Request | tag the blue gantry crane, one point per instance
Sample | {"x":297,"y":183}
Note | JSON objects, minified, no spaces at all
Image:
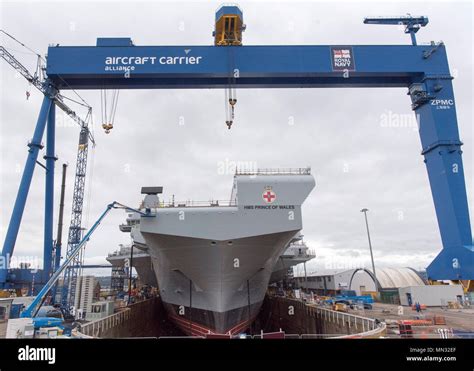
{"x":21,"y":277}
{"x":118,"y":63}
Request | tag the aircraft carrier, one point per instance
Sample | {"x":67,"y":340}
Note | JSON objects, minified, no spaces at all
{"x":213,"y":261}
{"x":297,"y":252}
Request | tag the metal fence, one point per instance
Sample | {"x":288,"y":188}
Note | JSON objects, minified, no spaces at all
{"x":358,"y":326}
{"x":192,"y":203}
{"x":285,"y":171}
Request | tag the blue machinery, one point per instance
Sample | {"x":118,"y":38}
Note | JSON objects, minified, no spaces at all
{"x":38,"y":301}
{"x":423,"y":69}
{"x":412,"y":24}
{"x":20,"y":277}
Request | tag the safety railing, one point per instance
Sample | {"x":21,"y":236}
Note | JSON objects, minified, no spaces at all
{"x":125,"y":252}
{"x":300,"y":250}
{"x":282,"y":171}
{"x":358,"y":326}
{"x":98,"y":327}
{"x":192,"y":203}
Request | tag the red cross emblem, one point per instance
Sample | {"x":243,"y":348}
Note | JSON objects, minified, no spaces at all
{"x":269,"y":196}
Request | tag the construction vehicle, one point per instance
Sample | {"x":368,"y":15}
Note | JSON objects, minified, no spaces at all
{"x":66,"y":323}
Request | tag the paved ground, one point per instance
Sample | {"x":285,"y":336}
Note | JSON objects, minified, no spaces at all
{"x":456,"y":319}
{"x":3,"y":329}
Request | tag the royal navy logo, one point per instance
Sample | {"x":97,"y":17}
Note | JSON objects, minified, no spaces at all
{"x":342,"y":58}
{"x":268,"y":195}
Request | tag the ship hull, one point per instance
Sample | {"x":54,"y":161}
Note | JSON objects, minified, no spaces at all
{"x":280,"y":270}
{"x":200,"y":322}
{"x":213,"y":286}
{"x":142,"y":264}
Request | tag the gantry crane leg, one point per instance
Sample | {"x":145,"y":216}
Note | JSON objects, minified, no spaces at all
{"x":34,"y":147}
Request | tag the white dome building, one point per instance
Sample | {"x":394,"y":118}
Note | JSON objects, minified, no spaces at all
{"x":363,"y":280}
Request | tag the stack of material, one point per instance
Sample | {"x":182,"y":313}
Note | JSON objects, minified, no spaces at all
{"x":454,"y":305}
{"x":416,"y":322}
{"x":439,"y":320}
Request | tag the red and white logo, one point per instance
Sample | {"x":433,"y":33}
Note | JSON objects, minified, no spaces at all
{"x":269,"y":196}
{"x":342,"y":53}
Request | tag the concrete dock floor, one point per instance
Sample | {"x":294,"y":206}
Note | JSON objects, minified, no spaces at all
{"x":456,"y":319}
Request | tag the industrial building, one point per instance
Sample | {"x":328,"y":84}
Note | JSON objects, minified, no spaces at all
{"x":362,"y":281}
{"x":403,"y":286}
{"x":431,"y":296}
{"x":388,"y":281}
{"x":87,"y":292}
{"x":328,"y":282}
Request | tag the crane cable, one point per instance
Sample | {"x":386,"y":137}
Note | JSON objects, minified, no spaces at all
{"x":38,"y":75}
{"x":228,"y":116}
{"x":115,"y":99}
{"x":40,"y":57}
{"x":39,"y":72}
{"x":230,"y":93}
{"x":108,"y":118}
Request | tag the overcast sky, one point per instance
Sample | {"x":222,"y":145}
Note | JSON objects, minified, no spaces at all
{"x":358,"y":161}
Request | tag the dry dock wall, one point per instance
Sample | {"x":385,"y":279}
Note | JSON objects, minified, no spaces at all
{"x":143,"y":319}
{"x":148,"y":319}
{"x":299,"y":318}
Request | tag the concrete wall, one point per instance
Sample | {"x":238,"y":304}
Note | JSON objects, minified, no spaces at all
{"x":143,"y":319}
{"x":298,"y":318}
{"x":148,"y":319}
{"x":430,"y":295}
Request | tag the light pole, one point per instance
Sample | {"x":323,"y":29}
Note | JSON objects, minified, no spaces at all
{"x":370,"y":247}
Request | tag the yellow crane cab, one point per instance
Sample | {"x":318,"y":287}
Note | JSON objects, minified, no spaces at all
{"x":229,"y":26}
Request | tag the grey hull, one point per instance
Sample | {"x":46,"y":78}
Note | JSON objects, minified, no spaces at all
{"x":206,"y":277}
{"x":141,"y":262}
{"x":214,"y":263}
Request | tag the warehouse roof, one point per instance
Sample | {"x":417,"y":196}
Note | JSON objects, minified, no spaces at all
{"x":394,"y":277}
{"x":398,"y":277}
